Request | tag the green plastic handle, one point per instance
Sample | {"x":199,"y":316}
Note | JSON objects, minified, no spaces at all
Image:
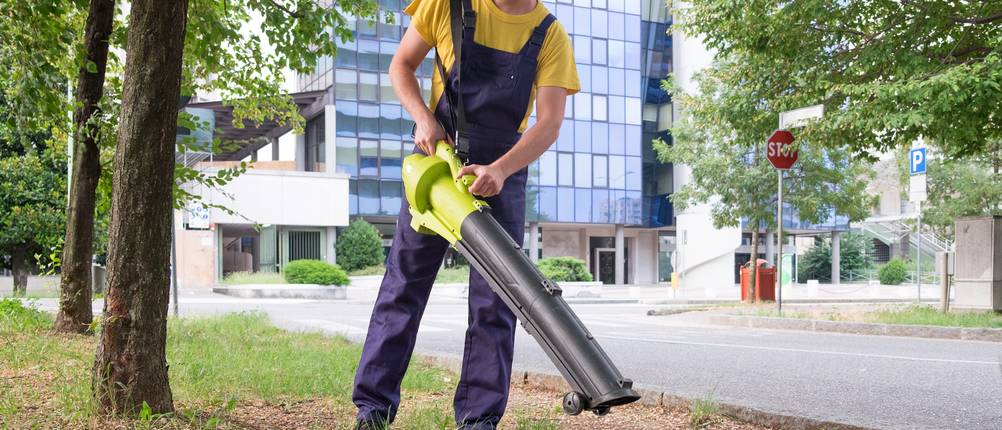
{"x":445,"y":151}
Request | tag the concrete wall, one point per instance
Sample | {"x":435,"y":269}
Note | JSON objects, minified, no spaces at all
{"x":196,"y":258}
{"x":564,"y":243}
{"x":574,"y":241}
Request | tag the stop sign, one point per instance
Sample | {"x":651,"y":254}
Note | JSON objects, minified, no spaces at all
{"x":780,"y":150}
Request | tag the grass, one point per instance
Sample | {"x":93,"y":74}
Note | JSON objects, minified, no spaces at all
{"x":245,"y":278}
{"x":453,"y":275}
{"x":928,"y":315}
{"x":216,"y":364}
{"x":704,"y":412}
{"x":376,"y":270}
{"x":911,"y":315}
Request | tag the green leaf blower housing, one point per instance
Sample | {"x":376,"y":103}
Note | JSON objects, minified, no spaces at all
{"x":443,"y":205}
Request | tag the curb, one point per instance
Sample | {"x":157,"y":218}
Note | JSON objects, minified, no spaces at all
{"x":655,"y":398}
{"x":282,"y":291}
{"x":832,"y":301}
{"x":875,"y":329}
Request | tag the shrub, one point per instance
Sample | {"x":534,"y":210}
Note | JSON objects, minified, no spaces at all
{"x":855,"y":252}
{"x":359,"y":246}
{"x":314,"y":272}
{"x":893,"y":273}
{"x":564,"y":269}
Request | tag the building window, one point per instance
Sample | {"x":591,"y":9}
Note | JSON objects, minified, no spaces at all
{"x":582,"y":136}
{"x":582,"y":170}
{"x":389,"y":159}
{"x":617,"y":138}
{"x":600,"y":138}
{"x":368,"y":121}
{"x":347,"y":119}
{"x":600,"y":51}
{"x":582,"y":205}
{"x":633,"y":173}
{"x":346,"y":84}
{"x":582,"y":49}
{"x":617,"y":109}
{"x":368,"y":196}
{"x":548,"y":168}
{"x":368,"y":160}
{"x":565,"y":204}
{"x":565,"y":169}
{"x":565,"y":142}
{"x":390,"y":197}
{"x":347,"y":155}
{"x":599,"y":108}
{"x":582,"y":106}
{"x":547,"y":204}
{"x":389,"y":121}
{"x":616,"y":23}
{"x":599,"y":79}
{"x":617,"y":172}
{"x":599,"y":23}
{"x":617,"y":86}
{"x":368,"y":87}
{"x":600,"y":174}
{"x":633,"y":111}
{"x":386,"y":93}
{"x":582,"y":21}
{"x":368,"y":54}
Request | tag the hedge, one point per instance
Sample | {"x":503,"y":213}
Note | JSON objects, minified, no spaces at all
{"x":893,"y":273}
{"x":564,"y":269}
{"x":314,"y":272}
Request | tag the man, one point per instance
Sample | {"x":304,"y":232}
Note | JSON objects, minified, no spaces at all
{"x":513,"y":54}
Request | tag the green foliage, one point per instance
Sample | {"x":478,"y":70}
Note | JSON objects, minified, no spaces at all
{"x":928,"y":315}
{"x":314,"y":272}
{"x":245,"y":278}
{"x":32,"y":203}
{"x":855,"y":256}
{"x":961,"y":187}
{"x":16,"y":317}
{"x":893,"y":273}
{"x":453,"y":275}
{"x":887,"y":72}
{"x":564,"y":269}
{"x":704,"y":412}
{"x":359,"y":246}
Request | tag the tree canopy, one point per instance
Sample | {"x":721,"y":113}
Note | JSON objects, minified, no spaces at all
{"x":887,"y":72}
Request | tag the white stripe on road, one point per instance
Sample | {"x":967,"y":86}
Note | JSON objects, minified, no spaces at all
{"x":809,"y":351}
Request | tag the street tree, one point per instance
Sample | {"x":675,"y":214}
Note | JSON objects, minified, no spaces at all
{"x":131,"y":364}
{"x":721,"y":135}
{"x":958,"y":187}
{"x":888,"y":72}
{"x":173,"y":50}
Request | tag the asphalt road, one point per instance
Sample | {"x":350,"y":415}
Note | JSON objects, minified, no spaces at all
{"x":873,"y":381}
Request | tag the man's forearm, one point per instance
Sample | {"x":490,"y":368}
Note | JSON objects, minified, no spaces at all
{"x":405,"y":85}
{"x":534,"y":142}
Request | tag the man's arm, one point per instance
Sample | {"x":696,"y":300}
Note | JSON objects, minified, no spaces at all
{"x":550,"y":102}
{"x":406,"y":61}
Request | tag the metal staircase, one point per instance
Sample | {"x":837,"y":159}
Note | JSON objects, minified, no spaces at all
{"x":895,"y":230}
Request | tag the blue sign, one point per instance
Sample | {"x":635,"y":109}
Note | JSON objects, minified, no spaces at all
{"x":916,"y":164}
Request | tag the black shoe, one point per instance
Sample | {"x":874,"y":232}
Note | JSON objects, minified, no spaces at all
{"x":372,"y":424}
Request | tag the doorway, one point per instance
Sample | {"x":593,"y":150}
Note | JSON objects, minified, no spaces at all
{"x":605,"y":265}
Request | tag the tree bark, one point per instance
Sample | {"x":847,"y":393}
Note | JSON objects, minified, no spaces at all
{"x":753,"y":281}
{"x":131,"y":365}
{"x":75,"y":313}
{"x":19,"y":265}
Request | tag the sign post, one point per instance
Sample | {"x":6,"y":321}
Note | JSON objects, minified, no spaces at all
{"x":783,"y":154}
{"x":917,"y":193}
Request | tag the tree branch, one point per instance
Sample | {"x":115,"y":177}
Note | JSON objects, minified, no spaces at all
{"x":994,"y":16}
{"x":291,"y":13}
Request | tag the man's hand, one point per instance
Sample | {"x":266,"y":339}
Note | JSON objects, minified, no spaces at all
{"x":490,"y":179}
{"x":427,"y":133}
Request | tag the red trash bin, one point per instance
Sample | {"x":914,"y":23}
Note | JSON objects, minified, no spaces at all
{"x":766,"y":281}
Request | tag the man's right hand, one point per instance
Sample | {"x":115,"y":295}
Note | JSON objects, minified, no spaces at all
{"x":427,"y":133}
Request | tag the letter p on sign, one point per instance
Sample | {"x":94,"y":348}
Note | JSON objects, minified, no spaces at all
{"x":917,"y":163}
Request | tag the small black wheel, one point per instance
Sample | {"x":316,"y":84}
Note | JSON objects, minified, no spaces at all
{"x":573,"y":403}
{"x":600,"y":411}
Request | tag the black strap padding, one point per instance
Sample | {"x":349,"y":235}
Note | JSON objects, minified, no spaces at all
{"x":463,"y":23}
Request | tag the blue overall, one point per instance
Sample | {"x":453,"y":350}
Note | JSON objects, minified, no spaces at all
{"x":496,"y":88}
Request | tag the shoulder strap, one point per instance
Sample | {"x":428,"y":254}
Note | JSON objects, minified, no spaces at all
{"x":463,"y":22}
{"x":535,"y":42}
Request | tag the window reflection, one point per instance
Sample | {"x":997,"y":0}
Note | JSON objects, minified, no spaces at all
{"x":548,"y":168}
{"x":599,"y":23}
{"x":368,"y":160}
{"x":582,"y":136}
{"x":565,"y":204}
{"x":600,"y":51}
{"x":617,"y":171}
{"x":600,"y":174}
{"x":599,"y":108}
{"x":347,"y":118}
{"x":600,"y":138}
{"x":368,"y":84}
{"x":346,"y":84}
{"x":368,"y":196}
{"x":347,"y":155}
{"x":565,"y":168}
{"x":391,"y":193}
{"x":368,"y":120}
{"x":582,"y":170}
{"x":582,"y":205}
{"x":389,"y":159}
{"x":547,"y":203}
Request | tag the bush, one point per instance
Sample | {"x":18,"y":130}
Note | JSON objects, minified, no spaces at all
{"x":893,"y":273}
{"x":314,"y":272}
{"x":564,"y":269}
{"x":855,"y":250}
{"x":359,"y":246}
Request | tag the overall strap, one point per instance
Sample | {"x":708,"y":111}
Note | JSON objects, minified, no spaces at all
{"x":463,"y":22}
{"x":535,"y":43}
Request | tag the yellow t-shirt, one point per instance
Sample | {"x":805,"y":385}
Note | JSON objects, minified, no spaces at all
{"x":499,"y":30}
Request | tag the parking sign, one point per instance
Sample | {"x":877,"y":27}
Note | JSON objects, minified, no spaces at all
{"x":917,"y":161}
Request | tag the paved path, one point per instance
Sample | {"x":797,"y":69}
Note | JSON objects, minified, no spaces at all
{"x":876,"y":381}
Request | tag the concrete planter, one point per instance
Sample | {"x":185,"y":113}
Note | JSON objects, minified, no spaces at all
{"x":284,"y":291}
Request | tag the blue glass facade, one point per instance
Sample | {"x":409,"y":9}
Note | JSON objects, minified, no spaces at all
{"x":601,"y":169}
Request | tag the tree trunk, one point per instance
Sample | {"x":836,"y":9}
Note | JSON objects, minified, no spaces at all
{"x":753,"y":281}
{"x":131,"y":364}
{"x":19,"y":265}
{"x":75,"y":286}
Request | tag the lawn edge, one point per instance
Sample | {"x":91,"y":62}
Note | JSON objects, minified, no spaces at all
{"x":655,"y":398}
{"x":876,"y":329}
